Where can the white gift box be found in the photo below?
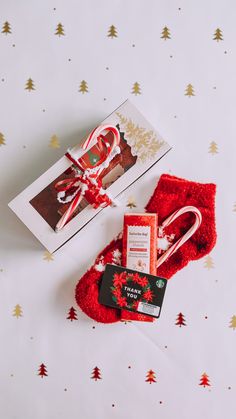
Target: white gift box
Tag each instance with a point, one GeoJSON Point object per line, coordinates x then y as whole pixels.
{"type": "Point", "coordinates": [144, 148]}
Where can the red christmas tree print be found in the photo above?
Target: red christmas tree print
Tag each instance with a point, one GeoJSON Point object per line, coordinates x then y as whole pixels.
{"type": "Point", "coordinates": [42, 371]}
{"type": "Point", "coordinates": [72, 314]}
{"type": "Point", "coordinates": [204, 380]}
{"type": "Point", "coordinates": [96, 374]}
{"type": "Point", "coordinates": [150, 377]}
{"type": "Point", "coordinates": [180, 321]}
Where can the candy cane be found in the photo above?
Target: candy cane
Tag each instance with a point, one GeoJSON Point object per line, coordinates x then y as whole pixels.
{"type": "Point", "coordinates": [89, 175]}
{"type": "Point", "coordinates": [186, 236]}
{"type": "Point", "coordinates": [97, 132]}
{"type": "Point", "coordinates": [74, 204]}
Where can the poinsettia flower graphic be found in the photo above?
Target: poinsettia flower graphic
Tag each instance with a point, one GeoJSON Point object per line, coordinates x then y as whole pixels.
{"type": "Point", "coordinates": [121, 301]}
{"type": "Point", "coordinates": [143, 281]}
{"type": "Point", "coordinates": [148, 295]}
{"type": "Point", "coordinates": [119, 279]}
{"type": "Point", "coordinates": [136, 277]}
{"type": "Point", "coordinates": [116, 292]}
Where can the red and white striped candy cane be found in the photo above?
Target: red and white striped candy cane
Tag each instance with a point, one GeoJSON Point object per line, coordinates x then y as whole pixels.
{"type": "Point", "coordinates": [97, 132]}
{"type": "Point", "coordinates": [74, 204]}
{"type": "Point", "coordinates": [186, 236]}
{"type": "Point", "coordinates": [84, 180]}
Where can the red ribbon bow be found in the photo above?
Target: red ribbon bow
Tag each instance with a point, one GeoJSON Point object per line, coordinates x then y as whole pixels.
{"type": "Point", "coordinates": [88, 184]}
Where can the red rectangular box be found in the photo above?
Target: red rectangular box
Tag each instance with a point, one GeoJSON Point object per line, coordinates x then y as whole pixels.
{"type": "Point", "coordinates": [139, 250]}
{"type": "Point", "coordinates": [140, 242]}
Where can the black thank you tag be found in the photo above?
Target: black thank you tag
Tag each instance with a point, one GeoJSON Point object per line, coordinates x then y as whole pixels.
{"type": "Point", "coordinates": [132, 290]}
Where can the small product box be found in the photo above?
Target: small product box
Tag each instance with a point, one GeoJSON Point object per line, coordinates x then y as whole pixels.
{"type": "Point", "coordinates": [43, 204]}
{"type": "Point", "coordinates": [140, 242]}
{"type": "Point", "coordinates": [139, 249]}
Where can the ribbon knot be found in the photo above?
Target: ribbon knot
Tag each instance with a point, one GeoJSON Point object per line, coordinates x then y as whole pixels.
{"type": "Point", "coordinates": [87, 183]}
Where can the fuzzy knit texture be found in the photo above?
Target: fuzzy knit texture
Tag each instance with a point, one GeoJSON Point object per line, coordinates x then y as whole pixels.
{"type": "Point", "coordinates": [171, 194]}
{"type": "Point", "coordinates": [87, 289]}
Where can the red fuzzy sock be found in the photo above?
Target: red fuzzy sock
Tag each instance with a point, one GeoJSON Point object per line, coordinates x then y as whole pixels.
{"type": "Point", "coordinates": [87, 289]}
{"type": "Point", "coordinates": [171, 194]}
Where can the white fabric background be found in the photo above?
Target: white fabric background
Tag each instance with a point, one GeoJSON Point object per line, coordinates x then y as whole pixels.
{"type": "Point", "coordinates": [45, 289]}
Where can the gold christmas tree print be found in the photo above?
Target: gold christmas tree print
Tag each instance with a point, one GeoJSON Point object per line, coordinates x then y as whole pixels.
{"type": "Point", "coordinates": [144, 143]}
{"type": "Point", "coordinates": [208, 264]}
{"type": "Point", "coordinates": [48, 256]}
{"type": "Point", "coordinates": [29, 85]}
{"type": "Point", "coordinates": [83, 88]}
{"type": "Point", "coordinates": [165, 33]}
{"type": "Point", "coordinates": [2, 139]}
{"type": "Point", "coordinates": [233, 322]}
{"type": "Point", "coordinates": [17, 312]}
{"type": "Point", "coordinates": [189, 90]}
{"type": "Point", "coordinates": [213, 149]}
{"type": "Point", "coordinates": [60, 30]}
{"type": "Point", "coordinates": [136, 89]}
{"type": "Point", "coordinates": [131, 203]}
{"type": "Point", "coordinates": [218, 36]}
{"type": "Point", "coordinates": [54, 142]}
{"type": "Point", "coordinates": [112, 32]}
{"type": "Point", "coordinates": [6, 28]}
